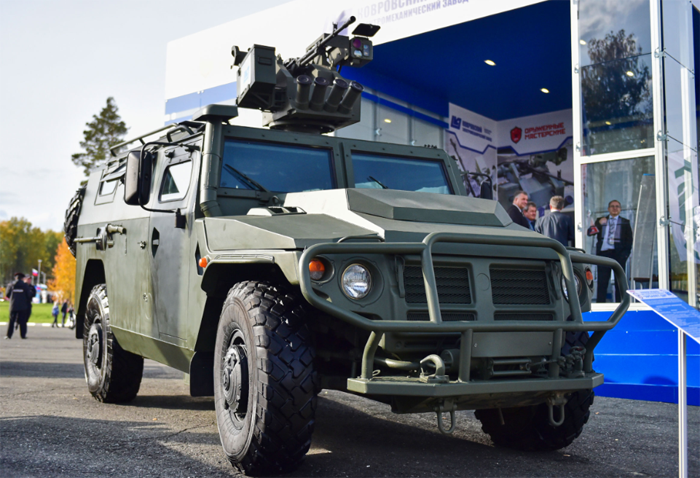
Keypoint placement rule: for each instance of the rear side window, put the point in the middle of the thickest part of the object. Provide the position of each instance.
(176, 181)
(373, 171)
(276, 167)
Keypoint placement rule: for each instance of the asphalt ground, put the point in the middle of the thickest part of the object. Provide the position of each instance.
(50, 426)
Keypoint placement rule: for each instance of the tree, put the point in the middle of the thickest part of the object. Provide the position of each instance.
(616, 90)
(63, 282)
(105, 130)
(21, 247)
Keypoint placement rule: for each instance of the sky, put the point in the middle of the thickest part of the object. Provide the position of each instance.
(59, 62)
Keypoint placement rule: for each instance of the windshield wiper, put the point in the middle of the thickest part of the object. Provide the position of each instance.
(371, 178)
(251, 183)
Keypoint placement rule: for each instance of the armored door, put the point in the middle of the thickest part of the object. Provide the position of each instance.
(171, 255)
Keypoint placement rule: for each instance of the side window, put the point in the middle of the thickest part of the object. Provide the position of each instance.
(176, 181)
(107, 188)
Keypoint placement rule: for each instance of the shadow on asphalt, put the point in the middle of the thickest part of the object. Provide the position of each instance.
(173, 402)
(41, 369)
(378, 447)
(100, 448)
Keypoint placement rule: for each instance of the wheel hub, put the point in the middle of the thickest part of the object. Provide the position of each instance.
(234, 379)
(93, 351)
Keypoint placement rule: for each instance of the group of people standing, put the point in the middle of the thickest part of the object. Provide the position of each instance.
(20, 295)
(613, 232)
(65, 309)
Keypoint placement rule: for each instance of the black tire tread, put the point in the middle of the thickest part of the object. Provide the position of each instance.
(123, 370)
(287, 381)
(70, 224)
(528, 428)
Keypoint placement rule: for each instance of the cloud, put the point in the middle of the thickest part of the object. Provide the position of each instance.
(3, 215)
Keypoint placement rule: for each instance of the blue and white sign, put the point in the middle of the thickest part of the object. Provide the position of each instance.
(671, 308)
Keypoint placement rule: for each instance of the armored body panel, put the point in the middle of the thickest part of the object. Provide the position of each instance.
(268, 264)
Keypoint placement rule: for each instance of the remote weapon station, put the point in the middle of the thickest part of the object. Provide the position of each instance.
(270, 263)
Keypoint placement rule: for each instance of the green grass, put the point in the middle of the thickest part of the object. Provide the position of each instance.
(41, 313)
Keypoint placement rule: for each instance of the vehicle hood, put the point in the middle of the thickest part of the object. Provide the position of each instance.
(327, 216)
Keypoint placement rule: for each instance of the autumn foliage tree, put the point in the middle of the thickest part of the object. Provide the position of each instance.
(23, 245)
(63, 282)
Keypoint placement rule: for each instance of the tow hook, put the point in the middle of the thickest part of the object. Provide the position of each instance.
(446, 406)
(557, 400)
(439, 375)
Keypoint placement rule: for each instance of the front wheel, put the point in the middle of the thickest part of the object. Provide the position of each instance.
(264, 379)
(113, 375)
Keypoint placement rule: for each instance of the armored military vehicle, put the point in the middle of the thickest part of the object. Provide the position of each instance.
(270, 263)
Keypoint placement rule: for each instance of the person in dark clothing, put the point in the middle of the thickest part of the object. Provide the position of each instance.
(614, 240)
(20, 295)
(515, 211)
(28, 281)
(556, 224)
(64, 310)
(530, 214)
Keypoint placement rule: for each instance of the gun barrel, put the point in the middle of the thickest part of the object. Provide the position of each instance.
(313, 51)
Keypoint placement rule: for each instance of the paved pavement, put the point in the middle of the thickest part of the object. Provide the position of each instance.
(50, 426)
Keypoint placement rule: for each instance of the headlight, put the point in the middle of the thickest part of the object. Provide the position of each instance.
(356, 281)
(564, 289)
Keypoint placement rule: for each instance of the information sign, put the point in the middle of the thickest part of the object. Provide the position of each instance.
(671, 308)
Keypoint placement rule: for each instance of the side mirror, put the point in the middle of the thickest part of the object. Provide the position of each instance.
(137, 179)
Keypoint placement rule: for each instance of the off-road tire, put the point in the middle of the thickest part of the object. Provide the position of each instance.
(263, 347)
(528, 428)
(70, 224)
(113, 375)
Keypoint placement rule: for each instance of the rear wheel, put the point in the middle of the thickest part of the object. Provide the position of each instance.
(113, 375)
(528, 428)
(264, 379)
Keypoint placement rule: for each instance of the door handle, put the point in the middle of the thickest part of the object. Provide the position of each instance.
(103, 239)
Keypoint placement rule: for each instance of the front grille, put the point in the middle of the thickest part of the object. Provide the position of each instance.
(522, 316)
(519, 286)
(452, 285)
(446, 316)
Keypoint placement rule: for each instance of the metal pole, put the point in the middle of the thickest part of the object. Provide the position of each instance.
(38, 276)
(682, 408)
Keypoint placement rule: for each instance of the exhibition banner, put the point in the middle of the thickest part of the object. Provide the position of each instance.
(537, 133)
(203, 60)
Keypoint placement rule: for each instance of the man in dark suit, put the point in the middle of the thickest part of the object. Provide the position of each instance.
(530, 214)
(515, 211)
(556, 224)
(614, 240)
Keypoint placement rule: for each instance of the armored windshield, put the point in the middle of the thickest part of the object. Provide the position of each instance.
(407, 174)
(276, 167)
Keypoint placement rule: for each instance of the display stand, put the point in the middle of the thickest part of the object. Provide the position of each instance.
(687, 320)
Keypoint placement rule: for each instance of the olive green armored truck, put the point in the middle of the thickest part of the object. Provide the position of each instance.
(270, 263)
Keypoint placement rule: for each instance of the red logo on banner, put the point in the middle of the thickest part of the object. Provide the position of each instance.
(516, 134)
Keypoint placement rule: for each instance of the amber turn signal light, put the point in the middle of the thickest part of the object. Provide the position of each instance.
(589, 275)
(203, 262)
(316, 269)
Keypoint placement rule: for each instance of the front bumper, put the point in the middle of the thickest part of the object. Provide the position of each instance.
(366, 384)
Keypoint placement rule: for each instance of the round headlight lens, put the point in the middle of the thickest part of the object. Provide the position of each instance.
(565, 290)
(356, 281)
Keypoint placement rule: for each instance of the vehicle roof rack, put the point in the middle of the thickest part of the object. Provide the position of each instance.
(189, 126)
